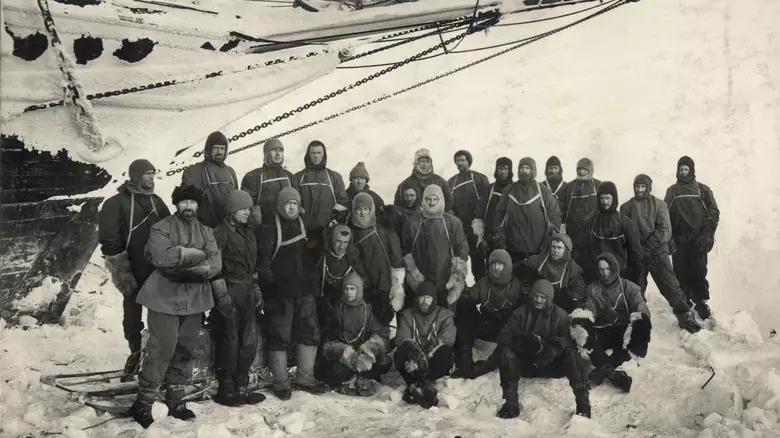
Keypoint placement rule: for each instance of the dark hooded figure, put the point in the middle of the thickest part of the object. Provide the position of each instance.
(489, 200)
(126, 220)
(553, 173)
(467, 189)
(358, 182)
(579, 205)
(264, 183)
(536, 342)
(396, 216)
(614, 233)
(426, 333)
(483, 309)
(655, 230)
(694, 216)
(615, 317)
(557, 267)
(212, 177)
(422, 176)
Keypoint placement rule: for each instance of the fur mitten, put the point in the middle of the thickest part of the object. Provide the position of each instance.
(121, 272)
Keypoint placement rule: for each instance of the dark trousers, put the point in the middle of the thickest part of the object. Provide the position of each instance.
(437, 367)
(132, 322)
(170, 353)
(290, 318)
(660, 268)
(333, 372)
(236, 337)
(472, 325)
(516, 364)
(380, 306)
(690, 266)
(605, 339)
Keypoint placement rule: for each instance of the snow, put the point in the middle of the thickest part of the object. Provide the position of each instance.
(633, 90)
(39, 297)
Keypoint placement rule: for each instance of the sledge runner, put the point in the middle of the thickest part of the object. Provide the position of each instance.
(536, 342)
(435, 249)
(235, 340)
(340, 258)
(651, 215)
(126, 220)
(264, 183)
(557, 267)
(358, 183)
(289, 284)
(467, 188)
(423, 176)
(354, 352)
(553, 173)
(426, 333)
(483, 310)
(186, 257)
(489, 200)
(213, 178)
(579, 205)
(694, 217)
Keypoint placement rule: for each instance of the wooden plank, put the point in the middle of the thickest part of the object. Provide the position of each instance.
(38, 210)
(33, 227)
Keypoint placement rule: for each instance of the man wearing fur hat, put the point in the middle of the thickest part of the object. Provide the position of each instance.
(483, 310)
(422, 176)
(694, 217)
(467, 188)
(490, 197)
(213, 178)
(186, 258)
(435, 249)
(655, 230)
(340, 258)
(380, 252)
(579, 205)
(526, 215)
(264, 183)
(553, 173)
(126, 220)
(615, 318)
(557, 267)
(358, 183)
(289, 284)
(536, 342)
(354, 353)
(236, 337)
(426, 333)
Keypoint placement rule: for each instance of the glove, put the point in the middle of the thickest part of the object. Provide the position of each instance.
(339, 214)
(413, 275)
(258, 298)
(478, 225)
(457, 281)
(365, 361)
(672, 247)
(349, 357)
(223, 303)
(121, 272)
(705, 242)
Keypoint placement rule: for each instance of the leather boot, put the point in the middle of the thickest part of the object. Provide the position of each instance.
(141, 412)
(703, 309)
(621, 380)
(582, 398)
(277, 361)
(245, 395)
(227, 394)
(482, 367)
(304, 377)
(430, 395)
(511, 407)
(687, 321)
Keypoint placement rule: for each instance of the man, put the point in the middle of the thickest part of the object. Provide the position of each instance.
(426, 333)
(213, 178)
(615, 318)
(579, 205)
(340, 258)
(482, 312)
(126, 220)
(553, 176)
(397, 216)
(236, 337)
(467, 187)
(526, 215)
(358, 183)
(694, 216)
(436, 249)
(491, 196)
(561, 271)
(651, 215)
(423, 176)
(615, 233)
(289, 283)
(536, 342)
(264, 183)
(186, 257)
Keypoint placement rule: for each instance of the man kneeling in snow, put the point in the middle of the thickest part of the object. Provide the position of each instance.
(426, 333)
(618, 319)
(536, 342)
(355, 352)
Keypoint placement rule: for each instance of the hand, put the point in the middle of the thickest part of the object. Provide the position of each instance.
(225, 306)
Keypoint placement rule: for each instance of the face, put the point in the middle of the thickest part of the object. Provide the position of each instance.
(684, 170)
(502, 172)
(187, 209)
(359, 182)
(424, 164)
(557, 250)
(462, 163)
(524, 170)
(496, 268)
(424, 303)
(640, 190)
(218, 152)
(340, 243)
(362, 212)
(241, 216)
(431, 201)
(604, 270)
(316, 154)
(582, 172)
(410, 197)
(350, 292)
(276, 156)
(553, 170)
(540, 301)
(606, 201)
(291, 208)
(147, 180)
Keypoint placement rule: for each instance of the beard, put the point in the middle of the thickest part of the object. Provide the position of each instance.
(187, 214)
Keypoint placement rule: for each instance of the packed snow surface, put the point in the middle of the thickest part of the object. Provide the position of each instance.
(633, 90)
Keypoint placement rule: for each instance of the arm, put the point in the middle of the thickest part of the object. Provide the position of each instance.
(634, 298)
(500, 239)
(460, 245)
(711, 222)
(511, 329)
(249, 184)
(265, 250)
(340, 191)
(553, 210)
(160, 251)
(404, 331)
(576, 285)
(213, 253)
(393, 246)
(662, 233)
(635, 251)
(447, 330)
(445, 188)
(110, 228)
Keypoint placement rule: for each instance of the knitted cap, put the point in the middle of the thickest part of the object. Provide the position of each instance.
(426, 288)
(544, 287)
(138, 168)
(286, 195)
(359, 171)
(236, 200)
(563, 238)
(353, 279)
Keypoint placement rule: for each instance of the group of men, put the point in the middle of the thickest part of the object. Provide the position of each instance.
(560, 274)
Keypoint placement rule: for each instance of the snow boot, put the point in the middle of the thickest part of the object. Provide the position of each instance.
(621, 380)
(597, 376)
(413, 394)
(304, 377)
(227, 394)
(277, 361)
(179, 411)
(430, 396)
(688, 322)
(365, 387)
(245, 395)
(581, 397)
(703, 309)
(511, 407)
(141, 412)
(464, 368)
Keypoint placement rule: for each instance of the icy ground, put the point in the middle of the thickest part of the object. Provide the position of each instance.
(633, 90)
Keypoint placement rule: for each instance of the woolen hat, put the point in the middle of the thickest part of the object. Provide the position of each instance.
(359, 171)
(138, 168)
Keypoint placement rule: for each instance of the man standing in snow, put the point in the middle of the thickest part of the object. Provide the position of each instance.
(651, 215)
(553, 172)
(694, 216)
(467, 187)
(557, 267)
(397, 216)
(264, 183)
(358, 183)
(213, 178)
(579, 205)
(536, 342)
(187, 258)
(490, 197)
(126, 220)
(422, 176)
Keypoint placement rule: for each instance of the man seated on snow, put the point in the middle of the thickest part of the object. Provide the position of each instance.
(426, 333)
(354, 353)
(483, 310)
(616, 317)
(536, 342)
(561, 270)
(186, 257)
